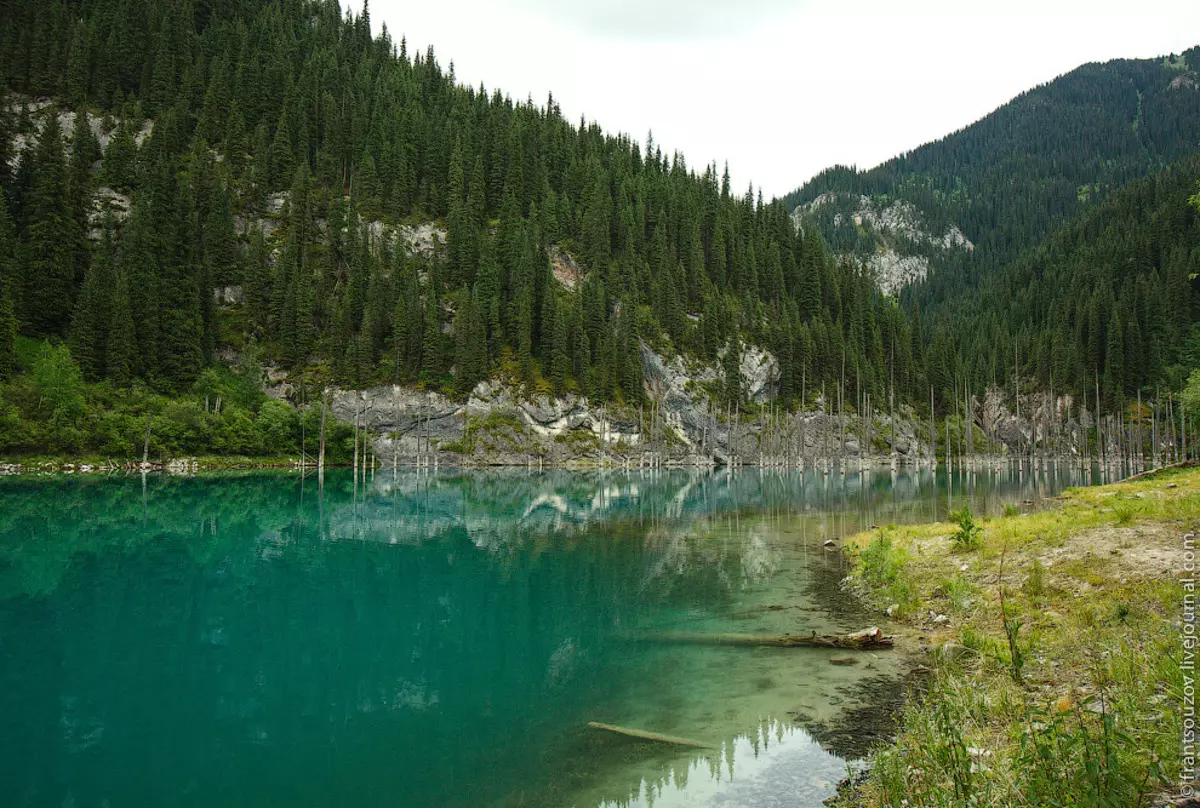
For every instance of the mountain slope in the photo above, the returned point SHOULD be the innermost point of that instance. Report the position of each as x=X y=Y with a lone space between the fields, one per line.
x=1111 y=299
x=1009 y=179
x=290 y=144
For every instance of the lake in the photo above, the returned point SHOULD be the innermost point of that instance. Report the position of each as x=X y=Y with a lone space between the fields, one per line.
x=426 y=639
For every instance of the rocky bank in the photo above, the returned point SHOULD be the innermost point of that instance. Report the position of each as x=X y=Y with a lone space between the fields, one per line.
x=677 y=425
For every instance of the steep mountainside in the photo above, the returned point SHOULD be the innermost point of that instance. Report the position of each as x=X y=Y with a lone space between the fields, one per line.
x=1111 y=299
x=1008 y=180
x=252 y=177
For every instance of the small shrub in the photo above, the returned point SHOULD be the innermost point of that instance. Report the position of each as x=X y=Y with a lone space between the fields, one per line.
x=1011 y=510
x=1078 y=756
x=1124 y=512
x=985 y=645
x=879 y=567
x=881 y=562
x=1121 y=612
x=969 y=531
x=1035 y=583
x=1016 y=657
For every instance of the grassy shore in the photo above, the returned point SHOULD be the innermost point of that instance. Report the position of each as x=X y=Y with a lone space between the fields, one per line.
x=1055 y=644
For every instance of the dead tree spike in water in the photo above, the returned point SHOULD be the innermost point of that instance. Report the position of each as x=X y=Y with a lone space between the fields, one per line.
x=867 y=639
x=643 y=735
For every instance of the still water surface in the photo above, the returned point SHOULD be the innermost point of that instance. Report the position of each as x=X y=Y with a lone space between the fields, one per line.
x=439 y=639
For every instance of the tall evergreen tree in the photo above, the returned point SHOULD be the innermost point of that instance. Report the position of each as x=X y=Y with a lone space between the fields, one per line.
x=48 y=285
x=8 y=318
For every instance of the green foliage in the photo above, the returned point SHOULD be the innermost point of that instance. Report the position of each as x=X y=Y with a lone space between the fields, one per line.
x=1079 y=756
x=58 y=385
x=325 y=141
x=880 y=562
x=959 y=591
x=1124 y=512
x=1012 y=630
x=880 y=568
x=1191 y=394
x=969 y=532
x=1006 y=188
x=1083 y=261
x=1035 y=583
x=53 y=410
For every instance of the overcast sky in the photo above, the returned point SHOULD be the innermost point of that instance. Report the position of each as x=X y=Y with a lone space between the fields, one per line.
x=781 y=88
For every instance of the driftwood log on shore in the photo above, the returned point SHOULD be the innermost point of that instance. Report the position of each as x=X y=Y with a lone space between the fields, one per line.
x=643 y=735
x=867 y=639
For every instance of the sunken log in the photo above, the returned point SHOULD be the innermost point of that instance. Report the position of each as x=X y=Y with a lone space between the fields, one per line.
x=867 y=639
x=643 y=735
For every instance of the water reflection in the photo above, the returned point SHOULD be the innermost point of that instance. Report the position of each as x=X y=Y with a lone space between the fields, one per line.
x=426 y=639
x=774 y=764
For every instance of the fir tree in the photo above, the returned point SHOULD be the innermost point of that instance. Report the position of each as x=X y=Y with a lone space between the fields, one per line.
x=560 y=354
x=119 y=364
x=8 y=319
x=431 y=342
x=49 y=281
x=118 y=166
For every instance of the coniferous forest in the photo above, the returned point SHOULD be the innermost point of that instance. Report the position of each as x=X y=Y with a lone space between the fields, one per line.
x=1075 y=197
x=276 y=147
x=196 y=190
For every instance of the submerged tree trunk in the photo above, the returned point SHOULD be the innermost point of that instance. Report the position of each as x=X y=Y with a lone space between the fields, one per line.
x=643 y=735
x=869 y=638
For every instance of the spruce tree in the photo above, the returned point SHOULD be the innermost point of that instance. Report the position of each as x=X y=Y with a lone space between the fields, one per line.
x=49 y=276
x=181 y=325
x=560 y=356
x=119 y=364
x=89 y=326
x=431 y=342
x=8 y=318
x=1114 y=361
x=118 y=167
x=488 y=289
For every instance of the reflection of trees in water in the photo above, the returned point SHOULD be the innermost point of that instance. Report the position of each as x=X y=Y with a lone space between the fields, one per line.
x=401 y=637
x=228 y=608
x=664 y=777
x=45 y=523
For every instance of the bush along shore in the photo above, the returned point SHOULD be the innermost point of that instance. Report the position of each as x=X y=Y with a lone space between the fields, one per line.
x=1055 y=642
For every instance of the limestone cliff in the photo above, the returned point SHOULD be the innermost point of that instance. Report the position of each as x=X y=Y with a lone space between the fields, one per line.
x=892 y=237
x=676 y=425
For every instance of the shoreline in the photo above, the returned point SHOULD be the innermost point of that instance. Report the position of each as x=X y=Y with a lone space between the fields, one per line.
x=1039 y=631
x=830 y=465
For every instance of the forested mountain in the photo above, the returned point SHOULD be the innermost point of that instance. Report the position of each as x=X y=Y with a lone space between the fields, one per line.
x=1111 y=299
x=1008 y=180
x=1033 y=242
x=285 y=145
x=197 y=189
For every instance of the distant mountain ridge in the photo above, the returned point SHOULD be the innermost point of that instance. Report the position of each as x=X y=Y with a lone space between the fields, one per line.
x=1008 y=180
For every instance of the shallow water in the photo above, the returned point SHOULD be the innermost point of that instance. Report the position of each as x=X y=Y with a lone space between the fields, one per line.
x=439 y=640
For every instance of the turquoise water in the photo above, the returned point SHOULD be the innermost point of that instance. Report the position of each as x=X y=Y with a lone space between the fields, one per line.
x=435 y=640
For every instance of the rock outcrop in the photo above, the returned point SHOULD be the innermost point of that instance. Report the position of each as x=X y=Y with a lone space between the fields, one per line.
x=677 y=424
x=903 y=241
x=103 y=128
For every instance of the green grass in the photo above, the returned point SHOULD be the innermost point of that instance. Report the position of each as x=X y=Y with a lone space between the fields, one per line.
x=1070 y=694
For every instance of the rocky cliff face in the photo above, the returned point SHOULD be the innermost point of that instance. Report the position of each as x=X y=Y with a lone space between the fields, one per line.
x=894 y=239
x=676 y=426
x=1050 y=425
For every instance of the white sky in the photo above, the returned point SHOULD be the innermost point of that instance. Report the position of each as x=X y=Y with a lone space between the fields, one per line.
x=781 y=88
